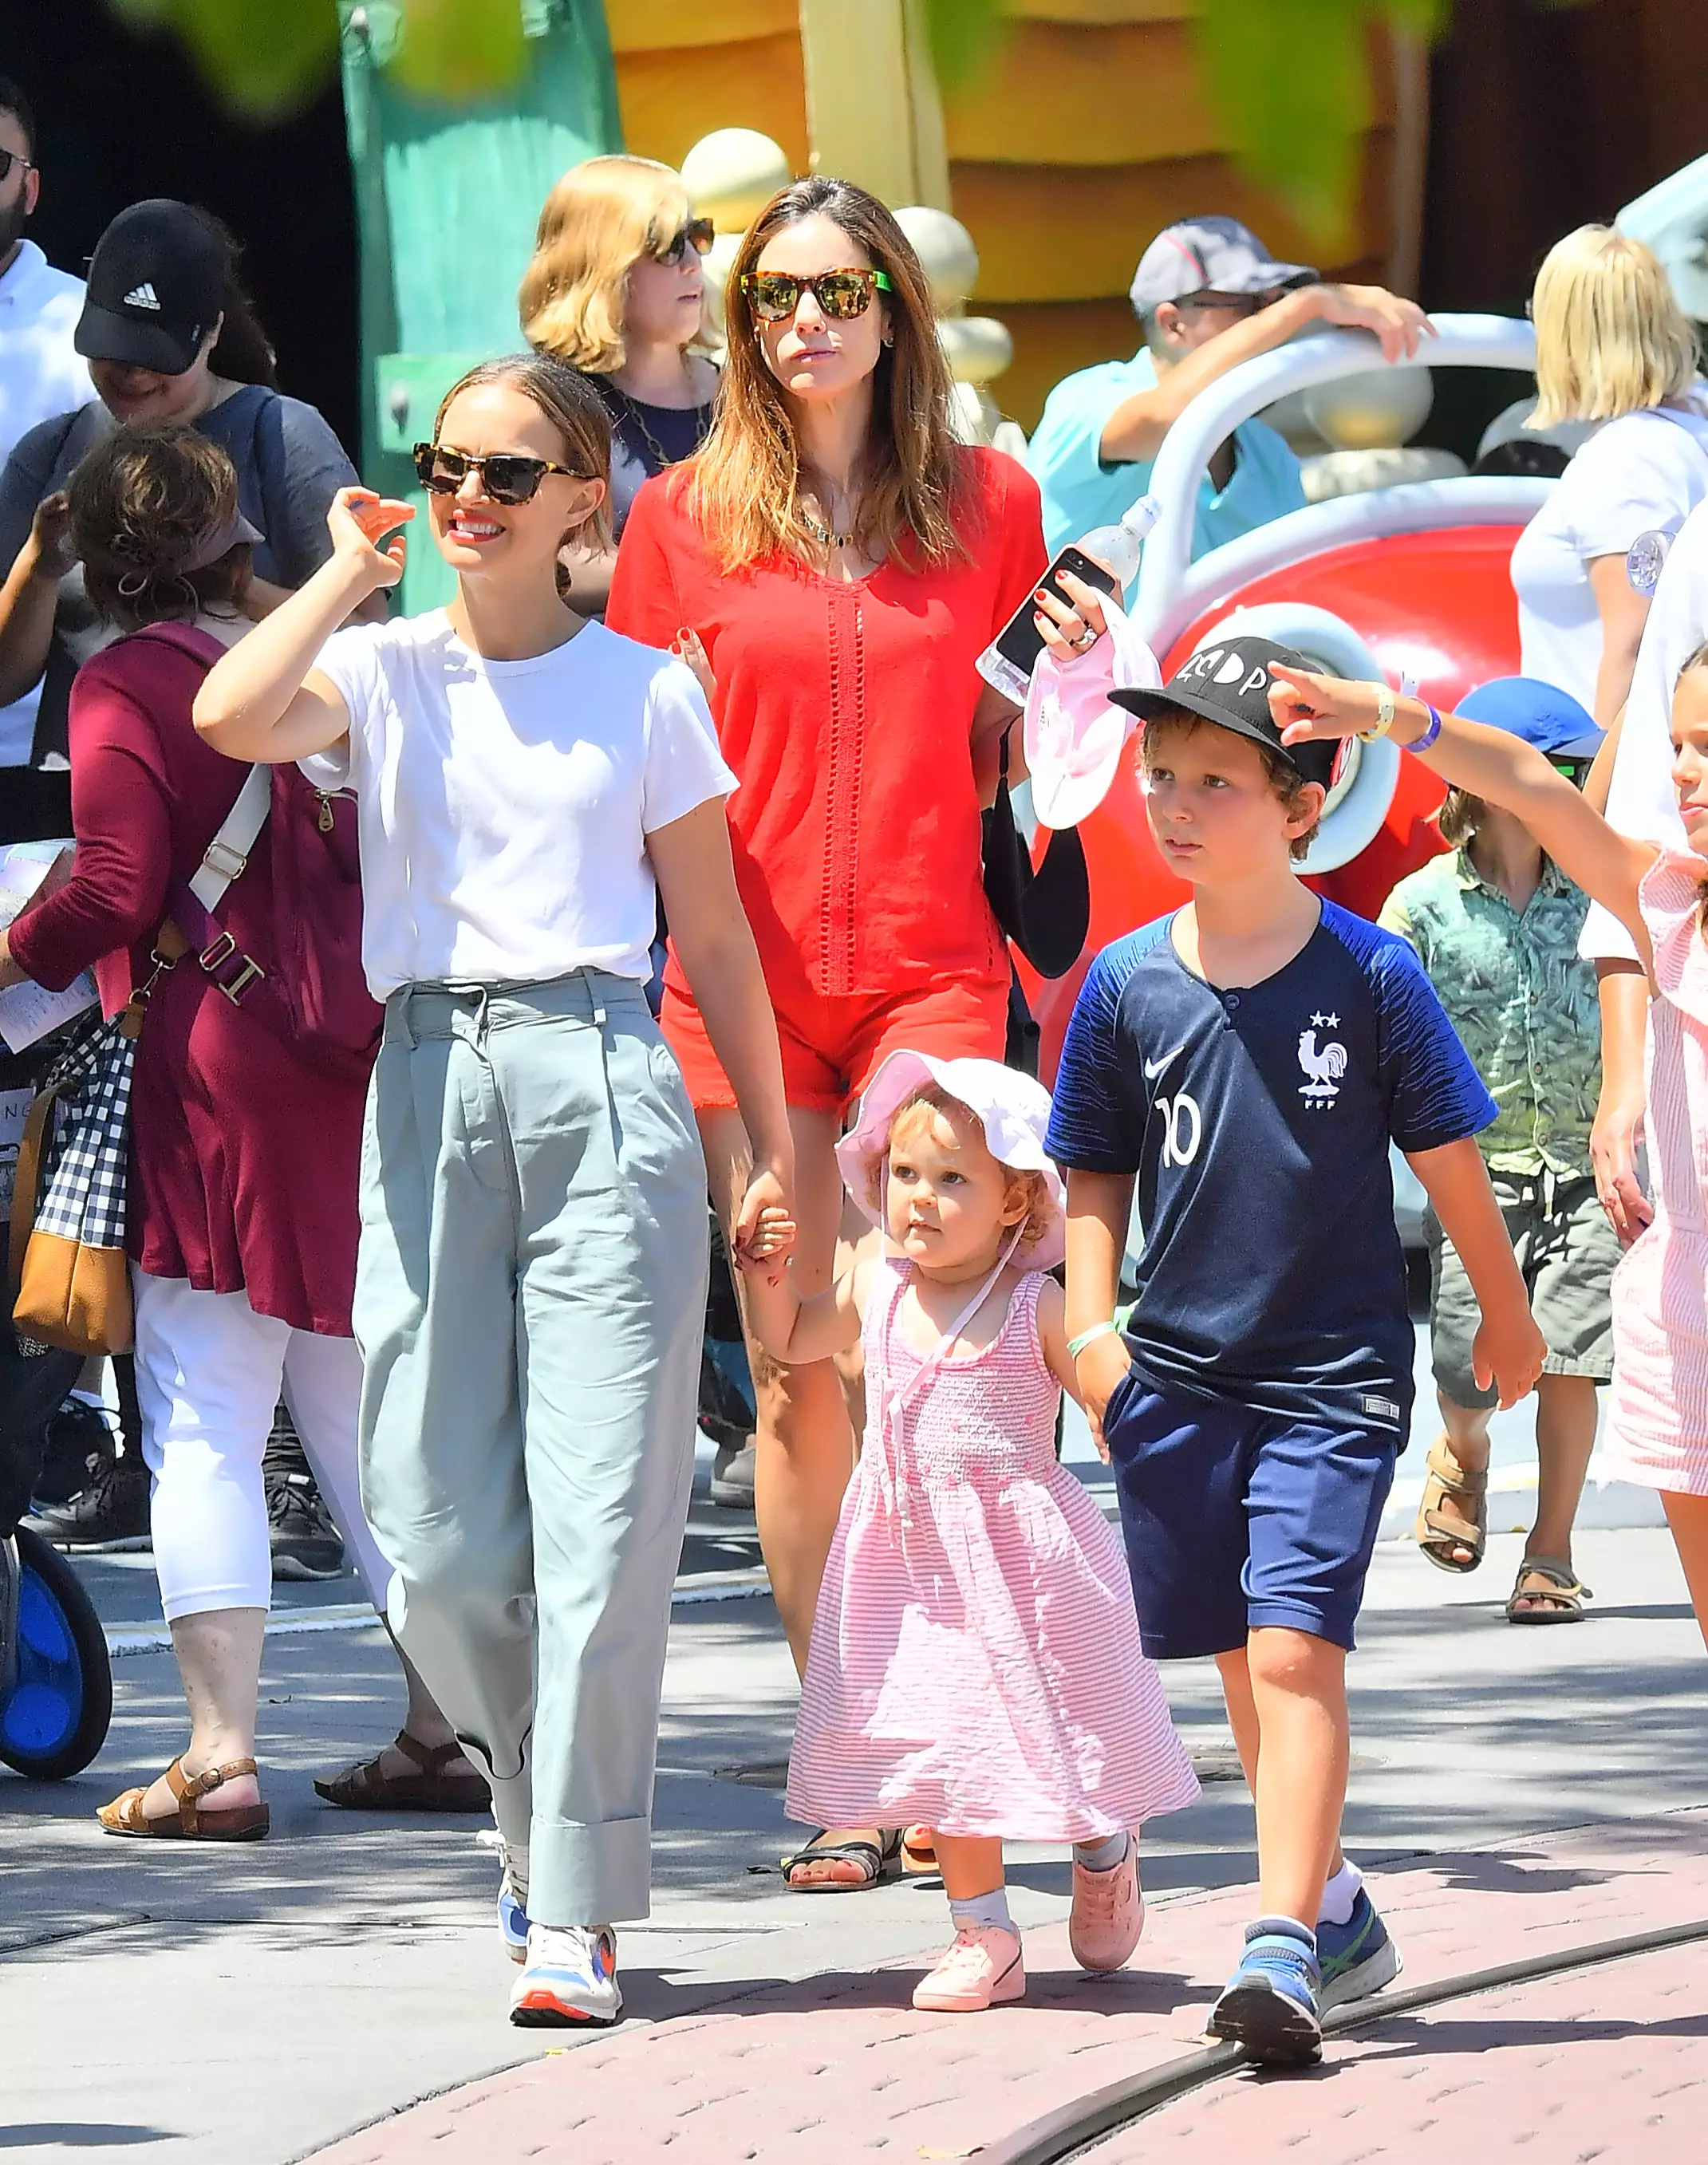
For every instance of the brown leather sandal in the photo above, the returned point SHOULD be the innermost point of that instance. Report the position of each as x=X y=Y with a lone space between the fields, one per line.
x=919 y=1853
x=1464 y=1525
x=366 y=1787
x=124 y=1816
x=1546 y=1591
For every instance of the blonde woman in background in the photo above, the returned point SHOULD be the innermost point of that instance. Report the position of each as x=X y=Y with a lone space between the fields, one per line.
x=1613 y=348
x=615 y=288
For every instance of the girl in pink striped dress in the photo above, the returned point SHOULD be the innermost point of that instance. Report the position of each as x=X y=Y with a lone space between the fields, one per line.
x=1658 y=1413
x=975 y=1661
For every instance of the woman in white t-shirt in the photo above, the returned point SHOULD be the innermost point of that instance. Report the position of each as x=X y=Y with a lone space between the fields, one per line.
x=1612 y=347
x=532 y=1273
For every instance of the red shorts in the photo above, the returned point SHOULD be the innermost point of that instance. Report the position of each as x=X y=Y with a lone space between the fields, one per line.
x=832 y=1048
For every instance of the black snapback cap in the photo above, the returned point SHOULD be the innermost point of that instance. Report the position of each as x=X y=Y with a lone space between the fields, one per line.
x=1227 y=682
x=157 y=281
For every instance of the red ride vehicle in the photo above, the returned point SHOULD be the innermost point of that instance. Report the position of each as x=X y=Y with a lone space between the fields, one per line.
x=1410 y=580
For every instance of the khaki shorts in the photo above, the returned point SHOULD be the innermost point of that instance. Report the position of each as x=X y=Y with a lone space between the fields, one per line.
x=1566 y=1252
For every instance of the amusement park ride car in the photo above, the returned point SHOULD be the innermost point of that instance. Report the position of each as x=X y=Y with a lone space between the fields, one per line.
x=1410 y=580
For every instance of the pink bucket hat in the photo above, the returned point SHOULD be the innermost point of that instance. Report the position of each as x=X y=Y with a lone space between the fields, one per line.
x=1073 y=735
x=1014 y=1110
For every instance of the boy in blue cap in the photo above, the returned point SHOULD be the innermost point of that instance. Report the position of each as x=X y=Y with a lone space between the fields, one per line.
x=1496 y=924
x=1247 y=1061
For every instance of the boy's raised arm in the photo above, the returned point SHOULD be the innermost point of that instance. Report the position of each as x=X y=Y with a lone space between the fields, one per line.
x=1491 y=764
x=1508 y=1349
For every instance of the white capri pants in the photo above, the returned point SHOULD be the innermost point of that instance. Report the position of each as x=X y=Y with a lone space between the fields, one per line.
x=209 y=1372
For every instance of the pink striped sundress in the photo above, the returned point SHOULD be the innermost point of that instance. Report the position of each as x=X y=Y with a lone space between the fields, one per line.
x=1658 y=1408
x=975 y=1661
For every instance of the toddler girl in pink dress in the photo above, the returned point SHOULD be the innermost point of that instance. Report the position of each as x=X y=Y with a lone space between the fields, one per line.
x=975 y=1660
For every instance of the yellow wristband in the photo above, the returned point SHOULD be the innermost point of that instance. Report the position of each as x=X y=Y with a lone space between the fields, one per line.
x=1384 y=715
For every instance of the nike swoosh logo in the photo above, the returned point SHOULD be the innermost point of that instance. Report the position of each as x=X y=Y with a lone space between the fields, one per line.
x=1153 y=1068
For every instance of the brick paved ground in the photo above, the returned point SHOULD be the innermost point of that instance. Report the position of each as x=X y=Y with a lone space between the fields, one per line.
x=839 y=2067
x=1605 y=2064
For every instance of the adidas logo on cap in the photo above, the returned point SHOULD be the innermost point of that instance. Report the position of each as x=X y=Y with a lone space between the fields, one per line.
x=142 y=297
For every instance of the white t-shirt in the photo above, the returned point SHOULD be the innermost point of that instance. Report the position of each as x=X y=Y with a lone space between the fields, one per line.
x=41 y=374
x=504 y=807
x=1642 y=471
x=1642 y=800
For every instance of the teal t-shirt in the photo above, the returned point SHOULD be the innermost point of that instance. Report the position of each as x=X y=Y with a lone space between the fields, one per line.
x=1081 y=493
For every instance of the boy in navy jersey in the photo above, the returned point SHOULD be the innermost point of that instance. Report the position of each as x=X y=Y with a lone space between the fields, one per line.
x=1247 y=1061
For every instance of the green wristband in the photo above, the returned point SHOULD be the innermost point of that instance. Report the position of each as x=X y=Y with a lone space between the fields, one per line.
x=1076 y=1346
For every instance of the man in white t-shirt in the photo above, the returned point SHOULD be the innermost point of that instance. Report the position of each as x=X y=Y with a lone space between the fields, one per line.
x=1642 y=802
x=40 y=372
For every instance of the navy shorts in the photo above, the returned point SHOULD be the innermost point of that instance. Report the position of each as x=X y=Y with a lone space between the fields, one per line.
x=1234 y=1520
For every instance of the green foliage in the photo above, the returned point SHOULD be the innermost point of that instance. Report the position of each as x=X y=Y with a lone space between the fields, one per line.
x=265 y=58
x=963 y=33
x=1290 y=79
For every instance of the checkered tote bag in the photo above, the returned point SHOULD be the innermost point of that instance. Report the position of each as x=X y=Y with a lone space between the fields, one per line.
x=70 y=1276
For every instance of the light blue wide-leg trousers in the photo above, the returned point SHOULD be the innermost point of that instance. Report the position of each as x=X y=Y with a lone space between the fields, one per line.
x=531 y=1293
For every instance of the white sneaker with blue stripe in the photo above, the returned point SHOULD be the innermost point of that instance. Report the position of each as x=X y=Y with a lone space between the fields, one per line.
x=569 y=1976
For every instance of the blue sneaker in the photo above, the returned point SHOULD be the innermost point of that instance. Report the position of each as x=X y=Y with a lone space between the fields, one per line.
x=512 y=1913
x=1269 y=2004
x=569 y=1978
x=1356 y=1958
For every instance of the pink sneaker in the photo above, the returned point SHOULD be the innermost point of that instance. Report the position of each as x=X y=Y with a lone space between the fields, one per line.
x=1108 y=1914
x=982 y=1969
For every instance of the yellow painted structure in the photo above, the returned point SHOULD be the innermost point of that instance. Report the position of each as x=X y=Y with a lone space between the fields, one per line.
x=1087 y=134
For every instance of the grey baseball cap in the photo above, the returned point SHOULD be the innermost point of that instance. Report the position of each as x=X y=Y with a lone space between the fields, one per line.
x=1210 y=256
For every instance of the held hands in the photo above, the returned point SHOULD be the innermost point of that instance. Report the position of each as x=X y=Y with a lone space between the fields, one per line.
x=1398 y=325
x=765 y=1229
x=1099 y=1369
x=358 y=522
x=1508 y=1352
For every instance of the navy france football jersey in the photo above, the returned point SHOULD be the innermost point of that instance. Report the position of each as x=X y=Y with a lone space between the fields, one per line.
x=1257 y=1121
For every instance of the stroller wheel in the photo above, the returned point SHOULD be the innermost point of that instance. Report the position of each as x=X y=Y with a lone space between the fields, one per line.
x=54 y=1719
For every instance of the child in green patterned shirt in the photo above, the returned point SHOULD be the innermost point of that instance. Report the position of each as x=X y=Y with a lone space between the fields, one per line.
x=1496 y=924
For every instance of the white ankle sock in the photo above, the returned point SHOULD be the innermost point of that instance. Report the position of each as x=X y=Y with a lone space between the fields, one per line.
x=990 y=1910
x=1102 y=1855
x=1340 y=1896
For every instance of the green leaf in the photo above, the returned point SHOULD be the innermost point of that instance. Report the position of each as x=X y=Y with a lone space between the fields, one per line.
x=1290 y=78
x=459 y=49
x=261 y=61
x=963 y=35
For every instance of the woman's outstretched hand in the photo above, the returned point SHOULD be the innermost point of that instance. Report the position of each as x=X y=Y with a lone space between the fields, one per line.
x=359 y=521
x=1304 y=704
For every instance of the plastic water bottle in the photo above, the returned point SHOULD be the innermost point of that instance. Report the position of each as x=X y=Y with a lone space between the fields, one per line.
x=1009 y=660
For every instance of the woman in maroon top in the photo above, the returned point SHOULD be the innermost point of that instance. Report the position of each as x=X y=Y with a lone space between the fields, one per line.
x=242 y=1201
x=835 y=562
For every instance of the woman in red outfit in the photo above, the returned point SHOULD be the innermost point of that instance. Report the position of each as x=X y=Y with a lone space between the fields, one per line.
x=841 y=561
x=242 y=1193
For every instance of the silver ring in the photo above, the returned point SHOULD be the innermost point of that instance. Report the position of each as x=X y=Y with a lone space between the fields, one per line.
x=1087 y=637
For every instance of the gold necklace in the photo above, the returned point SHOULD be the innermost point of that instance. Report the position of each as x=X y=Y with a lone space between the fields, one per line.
x=823 y=535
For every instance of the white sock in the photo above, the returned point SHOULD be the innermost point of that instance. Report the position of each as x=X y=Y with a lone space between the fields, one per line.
x=989 y=1910
x=1102 y=1855
x=1340 y=1895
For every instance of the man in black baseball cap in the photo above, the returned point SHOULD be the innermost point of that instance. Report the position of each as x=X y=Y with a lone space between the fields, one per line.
x=1208 y=295
x=155 y=283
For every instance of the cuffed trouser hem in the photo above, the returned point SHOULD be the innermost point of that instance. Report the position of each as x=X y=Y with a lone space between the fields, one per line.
x=589 y=1875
